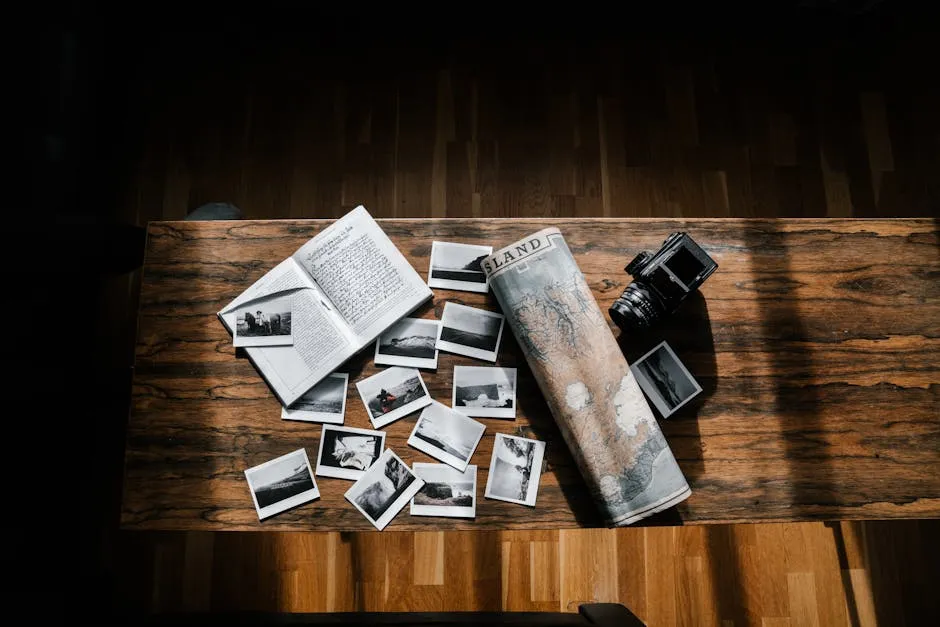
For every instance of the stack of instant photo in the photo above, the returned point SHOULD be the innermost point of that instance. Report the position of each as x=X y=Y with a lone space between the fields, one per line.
x=384 y=484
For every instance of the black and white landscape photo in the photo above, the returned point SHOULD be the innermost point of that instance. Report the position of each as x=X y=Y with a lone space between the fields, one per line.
x=665 y=380
x=446 y=435
x=457 y=266
x=384 y=489
x=393 y=394
x=282 y=483
x=470 y=331
x=484 y=391
x=515 y=469
x=409 y=342
x=447 y=491
x=347 y=452
x=324 y=402
x=265 y=322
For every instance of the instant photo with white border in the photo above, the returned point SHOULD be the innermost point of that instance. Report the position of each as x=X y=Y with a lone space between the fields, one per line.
x=435 y=474
x=461 y=326
x=484 y=379
x=665 y=380
x=449 y=261
x=503 y=464
x=440 y=428
x=310 y=406
x=400 y=333
x=276 y=471
x=354 y=450
x=371 y=482
x=390 y=380
x=271 y=311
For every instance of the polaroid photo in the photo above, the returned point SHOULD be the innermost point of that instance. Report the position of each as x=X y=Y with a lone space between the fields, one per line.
x=324 y=402
x=346 y=452
x=447 y=491
x=446 y=435
x=384 y=489
x=393 y=394
x=457 y=267
x=409 y=342
x=515 y=469
x=470 y=331
x=665 y=380
x=264 y=322
x=282 y=483
x=484 y=391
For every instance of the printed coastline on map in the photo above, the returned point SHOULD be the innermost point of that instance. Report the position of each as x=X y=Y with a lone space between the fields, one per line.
x=593 y=396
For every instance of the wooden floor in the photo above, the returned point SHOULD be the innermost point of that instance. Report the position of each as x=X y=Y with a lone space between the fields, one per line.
x=768 y=574
x=818 y=127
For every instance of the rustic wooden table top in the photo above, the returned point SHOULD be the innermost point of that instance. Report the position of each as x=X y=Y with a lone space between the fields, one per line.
x=817 y=343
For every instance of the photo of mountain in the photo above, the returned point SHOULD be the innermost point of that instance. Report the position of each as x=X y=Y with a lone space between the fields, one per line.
x=457 y=266
x=447 y=491
x=298 y=481
x=282 y=483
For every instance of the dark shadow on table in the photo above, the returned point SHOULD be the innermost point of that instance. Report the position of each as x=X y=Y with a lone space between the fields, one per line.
x=794 y=395
x=689 y=333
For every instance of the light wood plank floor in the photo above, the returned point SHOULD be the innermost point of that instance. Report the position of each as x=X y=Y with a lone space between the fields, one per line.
x=767 y=574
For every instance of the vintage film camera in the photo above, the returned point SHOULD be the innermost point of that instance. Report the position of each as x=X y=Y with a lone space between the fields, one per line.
x=662 y=281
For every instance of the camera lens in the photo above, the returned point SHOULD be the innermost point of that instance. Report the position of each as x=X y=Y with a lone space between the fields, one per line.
x=635 y=309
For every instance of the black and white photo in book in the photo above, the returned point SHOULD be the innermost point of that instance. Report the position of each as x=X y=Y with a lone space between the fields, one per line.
x=324 y=402
x=665 y=380
x=470 y=331
x=393 y=394
x=446 y=435
x=447 y=491
x=515 y=469
x=457 y=266
x=484 y=391
x=282 y=483
x=265 y=322
x=409 y=342
x=384 y=489
x=347 y=452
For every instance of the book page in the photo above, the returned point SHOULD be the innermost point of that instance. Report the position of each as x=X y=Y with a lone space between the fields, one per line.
x=321 y=339
x=319 y=348
x=281 y=278
x=367 y=279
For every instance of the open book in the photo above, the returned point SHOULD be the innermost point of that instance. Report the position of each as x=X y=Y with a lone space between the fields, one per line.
x=348 y=284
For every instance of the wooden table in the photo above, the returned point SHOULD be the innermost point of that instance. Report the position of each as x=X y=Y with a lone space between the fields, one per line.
x=817 y=343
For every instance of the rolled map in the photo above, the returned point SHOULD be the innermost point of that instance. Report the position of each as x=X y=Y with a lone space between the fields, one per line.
x=593 y=396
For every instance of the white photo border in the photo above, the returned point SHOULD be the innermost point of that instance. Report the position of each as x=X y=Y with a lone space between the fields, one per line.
x=381 y=359
x=392 y=510
x=485 y=412
x=649 y=388
x=402 y=411
x=324 y=470
x=536 y=469
x=290 y=502
x=316 y=416
x=438 y=454
x=445 y=511
x=469 y=351
x=450 y=284
x=264 y=340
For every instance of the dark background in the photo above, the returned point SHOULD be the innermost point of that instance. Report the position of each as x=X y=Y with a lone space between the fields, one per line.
x=96 y=91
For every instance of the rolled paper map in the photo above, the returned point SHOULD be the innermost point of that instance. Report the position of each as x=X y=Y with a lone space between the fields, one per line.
x=593 y=396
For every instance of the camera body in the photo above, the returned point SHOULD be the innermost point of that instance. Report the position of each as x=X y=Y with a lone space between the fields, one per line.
x=661 y=282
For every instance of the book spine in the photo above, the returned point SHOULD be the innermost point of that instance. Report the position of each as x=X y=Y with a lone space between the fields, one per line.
x=587 y=383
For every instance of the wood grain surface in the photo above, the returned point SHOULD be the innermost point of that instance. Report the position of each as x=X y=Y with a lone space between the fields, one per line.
x=817 y=343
